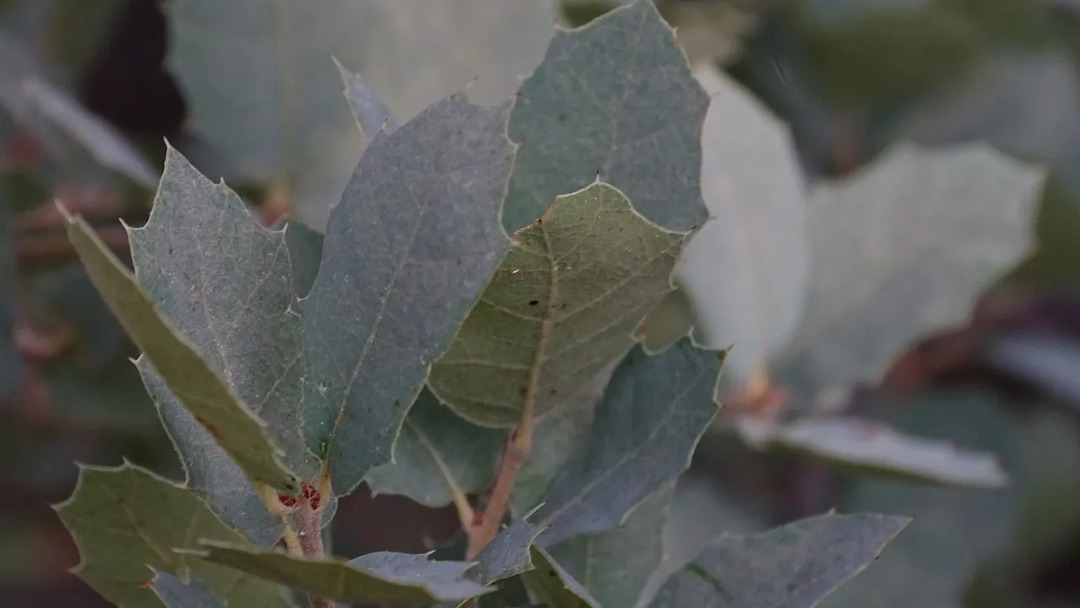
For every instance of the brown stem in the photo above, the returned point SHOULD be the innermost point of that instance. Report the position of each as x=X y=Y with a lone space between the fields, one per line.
x=516 y=453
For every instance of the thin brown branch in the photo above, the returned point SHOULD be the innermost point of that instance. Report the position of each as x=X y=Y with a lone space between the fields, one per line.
x=520 y=445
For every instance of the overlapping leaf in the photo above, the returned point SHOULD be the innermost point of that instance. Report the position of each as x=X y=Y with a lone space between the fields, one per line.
x=367 y=106
x=126 y=520
x=874 y=446
x=902 y=249
x=181 y=366
x=553 y=586
x=562 y=306
x=556 y=438
x=407 y=251
x=653 y=413
x=794 y=566
x=226 y=284
x=438 y=456
x=616 y=99
x=378 y=578
x=745 y=273
x=509 y=554
x=175 y=593
x=285 y=121
x=615 y=566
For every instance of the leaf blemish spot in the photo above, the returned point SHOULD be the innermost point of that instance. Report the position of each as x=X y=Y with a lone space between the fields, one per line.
x=533 y=302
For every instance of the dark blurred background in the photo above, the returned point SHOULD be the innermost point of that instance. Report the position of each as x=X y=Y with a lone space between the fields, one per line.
x=850 y=76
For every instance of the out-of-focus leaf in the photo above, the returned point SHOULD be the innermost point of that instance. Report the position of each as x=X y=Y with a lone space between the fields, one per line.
x=507 y=555
x=225 y=283
x=556 y=439
x=613 y=100
x=794 y=566
x=239 y=432
x=745 y=273
x=562 y=306
x=994 y=103
x=175 y=593
x=615 y=566
x=286 y=120
x=553 y=586
x=110 y=397
x=903 y=249
x=95 y=135
x=368 y=108
x=59 y=121
x=437 y=455
x=1046 y=361
x=407 y=252
x=126 y=520
x=9 y=357
x=652 y=415
x=954 y=529
x=868 y=444
x=379 y=578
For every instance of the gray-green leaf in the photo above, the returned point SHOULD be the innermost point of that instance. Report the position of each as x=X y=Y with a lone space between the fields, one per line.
x=653 y=413
x=615 y=566
x=794 y=566
x=437 y=455
x=125 y=519
x=368 y=108
x=413 y=242
x=225 y=283
x=902 y=249
x=613 y=99
x=507 y=555
x=188 y=376
x=562 y=306
x=379 y=578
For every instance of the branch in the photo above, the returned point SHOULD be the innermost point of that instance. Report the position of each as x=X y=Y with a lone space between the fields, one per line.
x=517 y=452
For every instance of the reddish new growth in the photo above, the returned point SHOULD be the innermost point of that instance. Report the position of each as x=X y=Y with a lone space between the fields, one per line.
x=286 y=500
x=310 y=494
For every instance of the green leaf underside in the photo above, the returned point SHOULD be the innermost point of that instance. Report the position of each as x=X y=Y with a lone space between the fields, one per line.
x=175 y=593
x=384 y=577
x=562 y=306
x=553 y=586
x=614 y=99
x=795 y=566
x=651 y=417
x=437 y=454
x=126 y=520
x=225 y=283
x=615 y=566
x=871 y=445
x=188 y=376
x=745 y=273
x=407 y=251
x=509 y=554
x=903 y=249
x=368 y=109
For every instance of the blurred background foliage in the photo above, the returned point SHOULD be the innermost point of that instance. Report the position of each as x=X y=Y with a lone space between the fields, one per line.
x=850 y=78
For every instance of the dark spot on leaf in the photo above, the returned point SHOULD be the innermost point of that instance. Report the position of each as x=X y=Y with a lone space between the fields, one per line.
x=533 y=302
x=523 y=390
x=562 y=117
x=213 y=430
